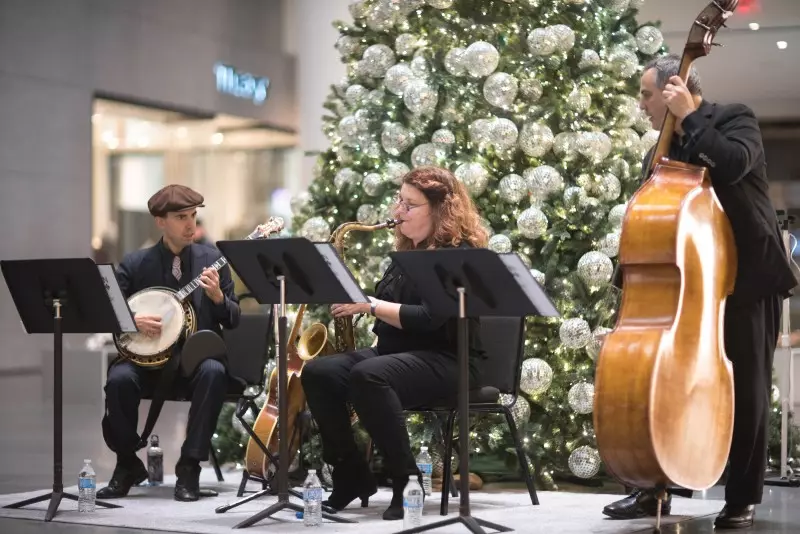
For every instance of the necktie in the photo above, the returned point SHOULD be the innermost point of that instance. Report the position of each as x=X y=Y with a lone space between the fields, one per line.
x=176 y=268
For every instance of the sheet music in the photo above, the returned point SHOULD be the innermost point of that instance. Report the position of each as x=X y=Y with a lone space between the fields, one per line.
x=528 y=284
x=341 y=272
x=118 y=302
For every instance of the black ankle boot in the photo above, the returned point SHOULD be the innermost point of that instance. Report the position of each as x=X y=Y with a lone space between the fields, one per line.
x=352 y=480
x=395 y=510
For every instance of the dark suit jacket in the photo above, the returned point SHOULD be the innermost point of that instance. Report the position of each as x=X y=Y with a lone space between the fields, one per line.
x=144 y=268
x=726 y=139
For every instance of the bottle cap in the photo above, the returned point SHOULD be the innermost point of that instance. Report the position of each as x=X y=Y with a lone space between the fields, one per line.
x=312 y=471
x=87 y=461
x=412 y=477
x=423 y=448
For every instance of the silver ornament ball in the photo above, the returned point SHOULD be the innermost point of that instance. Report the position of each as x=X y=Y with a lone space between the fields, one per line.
x=500 y=243
x=532 y=223
x=575 y=333
x=595 y=268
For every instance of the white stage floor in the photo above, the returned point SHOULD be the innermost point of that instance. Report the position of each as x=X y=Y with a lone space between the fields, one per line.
x=154 y=509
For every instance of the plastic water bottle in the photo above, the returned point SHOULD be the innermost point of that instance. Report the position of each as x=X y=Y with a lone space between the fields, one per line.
x=425 y=466
x=155 y=462
x=312 y=500
x=87 y=481
x=412 y=503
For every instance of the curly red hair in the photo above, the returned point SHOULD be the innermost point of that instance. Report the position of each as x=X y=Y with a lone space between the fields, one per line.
x=455 y=217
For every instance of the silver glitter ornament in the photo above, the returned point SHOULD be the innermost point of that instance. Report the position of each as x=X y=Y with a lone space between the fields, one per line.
x=500 y=89
x=589 y=60
x=405 y=44
x=474 y=176
x=382 y=16
x=581 y=398
x=596 y=343
x=584 y=462
x=608 y=187
x=521 y=411
x=609 y=244
x=513 y=188
x=427 y=154
x=367 y=214
x=500 y=243
x=372 y=184
x=624 y=62
x=574 y=196
x=420 y=68
x=616 y=215
x=532 y=223
x=503 y=134
x=454 y=61
x=377 y=59
x=316 y=229
x=531 y=89
x=649 y=39
x=579 y=100
x=443 y=137
x=348 y=46
x=348 y=130
x=358 y=8
x=420 y=98
x=595 y=268
x=542 y=41
x=649 y=140
x=397 y=78
x=395 y=171
x=362 y=120
x=535 y=139
x=481 y=59
x=396 y=138
x=565 y=37
x=618 y=6
x=480 y=131
x=300 y=201
x=565 y=145
x=536 y=376
x=345 y=177
x=356 y=94
x=574 y=333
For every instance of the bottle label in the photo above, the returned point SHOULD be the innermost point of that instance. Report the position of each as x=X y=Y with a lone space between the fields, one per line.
x=312 y=494
x=426 y=469
x=416 y=502
x=86 y=483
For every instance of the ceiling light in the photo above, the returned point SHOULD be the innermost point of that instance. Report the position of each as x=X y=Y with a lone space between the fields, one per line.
x=754 y=26
x=782 y=45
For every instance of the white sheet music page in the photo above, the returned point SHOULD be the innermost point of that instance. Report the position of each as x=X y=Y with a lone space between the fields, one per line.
x=341 y=272
x=528 y=284
x=118 y=302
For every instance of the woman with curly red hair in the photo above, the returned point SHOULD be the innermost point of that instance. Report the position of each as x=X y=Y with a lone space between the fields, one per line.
x=414 y=362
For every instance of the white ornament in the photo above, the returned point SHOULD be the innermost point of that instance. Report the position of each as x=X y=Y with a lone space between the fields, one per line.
x=595 y=268
x=575 y=333
x=609 y=244
x=500 y=89
x=584 y=462
x=397 y=78
x=581 y=398
x=532 y=223
x=500 y=243
x=481 y=59
x=536 y=376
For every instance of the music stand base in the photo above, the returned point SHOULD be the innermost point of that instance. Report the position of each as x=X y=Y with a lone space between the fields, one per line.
x=259 y=494
x=473 y=524
x=55 y=500
x=286 y=505
x=784 y=482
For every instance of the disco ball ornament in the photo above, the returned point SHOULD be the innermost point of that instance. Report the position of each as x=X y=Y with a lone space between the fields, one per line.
x=316 y=229
x=596 y=343
x=513 y=188
x=500 y=243
x=500 y=89
x=395 y=171
x=397 y=78
x=377 y=60
x=595 y=268
x=373 y=183
x=536 y=376
x=532 y=223
x=542 y=41
x=396 y=138
x=454 y=61
x=443 y=137
x=649 y=39
x=581 y=398
x=427 y=154
x=543 y=180
x=481 y=59
x=589 y=60
x=609 y=244
x=419 y=97
x=300 y=201
x=575 y=333
x=405 y=44
x=367 y=214
x=616 y=215
x=474 y=176
x=584 y=462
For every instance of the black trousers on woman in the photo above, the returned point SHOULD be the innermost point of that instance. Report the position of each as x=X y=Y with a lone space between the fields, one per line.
x=379 y=387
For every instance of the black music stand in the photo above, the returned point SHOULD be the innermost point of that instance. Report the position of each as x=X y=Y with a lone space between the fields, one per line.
x=57 y=296
x=497 y=285
x=290 y=271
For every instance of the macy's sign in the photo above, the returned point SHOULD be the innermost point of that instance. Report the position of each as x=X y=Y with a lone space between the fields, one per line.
x=241 y=84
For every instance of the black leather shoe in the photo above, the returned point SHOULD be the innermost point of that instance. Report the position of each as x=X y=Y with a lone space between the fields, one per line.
x=125 y=476
x=351 y=480
x=187 y=487
x=638 y=504
x=733 y=516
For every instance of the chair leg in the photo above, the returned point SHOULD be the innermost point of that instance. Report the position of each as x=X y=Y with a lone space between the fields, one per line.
x=523 y=461
x=447 y=476
x=215 y=463
x=440 y=434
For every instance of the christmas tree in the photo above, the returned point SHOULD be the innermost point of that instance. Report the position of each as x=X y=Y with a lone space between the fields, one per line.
x=532 y=104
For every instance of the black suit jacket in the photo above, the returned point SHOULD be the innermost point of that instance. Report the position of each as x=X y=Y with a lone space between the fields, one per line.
x=726 y=139
x=143 y=269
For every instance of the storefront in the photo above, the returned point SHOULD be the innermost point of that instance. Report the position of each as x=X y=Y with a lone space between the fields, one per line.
x=103 y=103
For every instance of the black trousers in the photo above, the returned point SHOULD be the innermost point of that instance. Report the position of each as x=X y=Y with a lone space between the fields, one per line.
x=127 y=383
x=751 y=335
x=379 y=387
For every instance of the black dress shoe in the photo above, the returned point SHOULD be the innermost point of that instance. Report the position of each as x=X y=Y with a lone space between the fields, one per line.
x=352 y=480
x=125 y=476
x=187 y=487
x=638 y=504
x=733 y=516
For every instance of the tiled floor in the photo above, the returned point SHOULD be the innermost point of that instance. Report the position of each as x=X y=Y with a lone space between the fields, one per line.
x=26 y=459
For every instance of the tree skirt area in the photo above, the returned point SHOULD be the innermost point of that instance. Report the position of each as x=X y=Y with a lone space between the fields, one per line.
x=153 y=508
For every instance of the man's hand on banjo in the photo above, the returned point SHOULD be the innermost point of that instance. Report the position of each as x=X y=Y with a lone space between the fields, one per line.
x=209 y=280
x=149 y=325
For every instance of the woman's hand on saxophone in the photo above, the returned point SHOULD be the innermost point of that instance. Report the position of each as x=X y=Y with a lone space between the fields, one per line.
x=346 y=310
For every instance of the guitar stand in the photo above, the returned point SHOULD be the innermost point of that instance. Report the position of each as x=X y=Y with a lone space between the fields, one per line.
x=266 y=484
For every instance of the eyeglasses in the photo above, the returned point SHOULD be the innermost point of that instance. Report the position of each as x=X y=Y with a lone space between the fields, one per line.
x=405 y=205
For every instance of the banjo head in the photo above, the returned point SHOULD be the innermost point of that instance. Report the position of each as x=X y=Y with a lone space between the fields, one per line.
x=160 y=302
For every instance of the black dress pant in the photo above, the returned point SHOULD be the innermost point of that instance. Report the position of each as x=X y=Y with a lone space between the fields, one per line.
x=379 y=387
x=127 y=383
x=751 y=335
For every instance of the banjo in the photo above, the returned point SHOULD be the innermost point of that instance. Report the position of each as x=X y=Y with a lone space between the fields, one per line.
x=178 y=316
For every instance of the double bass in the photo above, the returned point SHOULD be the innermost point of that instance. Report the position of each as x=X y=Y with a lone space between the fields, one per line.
x=664 y=398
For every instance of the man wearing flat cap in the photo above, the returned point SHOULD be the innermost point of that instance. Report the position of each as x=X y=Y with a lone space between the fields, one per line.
x=173 y=262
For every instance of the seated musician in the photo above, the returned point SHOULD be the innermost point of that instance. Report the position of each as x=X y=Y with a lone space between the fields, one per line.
x=414 y=362
x=172 y=262
x=726 y=140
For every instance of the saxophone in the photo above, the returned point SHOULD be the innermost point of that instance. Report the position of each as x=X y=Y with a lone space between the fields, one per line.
x=314 y=340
